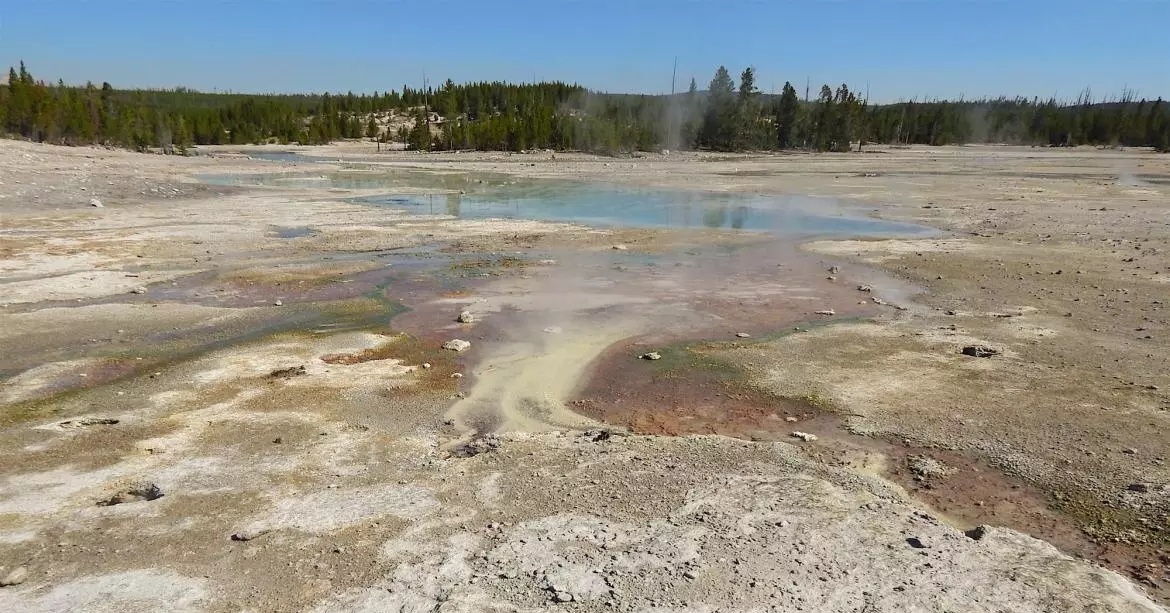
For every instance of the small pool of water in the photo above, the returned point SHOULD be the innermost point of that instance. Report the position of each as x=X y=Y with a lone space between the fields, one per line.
x=293 y=232
x=484 y=195
x=286 y=157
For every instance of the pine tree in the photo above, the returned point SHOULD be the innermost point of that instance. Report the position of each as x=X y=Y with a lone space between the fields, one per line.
x=747 y=112
x=786 y=112
x=719 y=122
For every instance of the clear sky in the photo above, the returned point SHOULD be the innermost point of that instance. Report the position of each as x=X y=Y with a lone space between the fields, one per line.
x=902 y=49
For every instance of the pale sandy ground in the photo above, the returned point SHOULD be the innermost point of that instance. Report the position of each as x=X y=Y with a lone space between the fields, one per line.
x=344 y=475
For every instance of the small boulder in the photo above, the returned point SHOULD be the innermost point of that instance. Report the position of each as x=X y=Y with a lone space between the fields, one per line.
x=456 y=345
x=977 y=533
x=804 y=436
x=465 y=317
x=94 y=202
x=742 y=335
x=244 y=536
x=980 y=351
x=864 y=288
x=925 y=467
x=138 y=290
x=17 y=576
x=651 y=355
x=135 y=493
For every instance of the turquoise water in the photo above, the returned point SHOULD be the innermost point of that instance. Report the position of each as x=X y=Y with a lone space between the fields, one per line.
x=614 y=206
x=496 y=196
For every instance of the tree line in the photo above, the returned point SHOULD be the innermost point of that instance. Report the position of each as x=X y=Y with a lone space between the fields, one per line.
x=725 y=116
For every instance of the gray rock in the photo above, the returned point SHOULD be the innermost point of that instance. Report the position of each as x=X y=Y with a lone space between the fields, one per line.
x=804 y=436
x=980 y=351
x=456 y=345
x=652 y=355
x=742 y=335
x=247 y=535
x=925 y=467
x=94 y=202
x=17 y=576
x=138 y=290
x=465 y=317
x=137 y=492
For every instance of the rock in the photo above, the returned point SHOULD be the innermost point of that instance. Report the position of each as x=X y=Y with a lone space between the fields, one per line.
x=247 y=535
x=465 y=317
x=690 y=574
x=833 y=270
x=135 y=493
x=977 y=533
x=804 y=436
x=483 y=444
x=94 y=202
x=864 y=288
x=620 y=247
x=88 y=421
x=925 y=467
x=426 y=365
x=980 y=351
x=916 y=542
x=138 y=290
x=288 y=373
x=652 y=355
x=826 y=312
x=562 y=597
x=742 y=335
x=597 y=435
x=552 y=330
x=456 y=345
x=16 y=577
x=791 y=420
x=1140 y=488
x=457 y=375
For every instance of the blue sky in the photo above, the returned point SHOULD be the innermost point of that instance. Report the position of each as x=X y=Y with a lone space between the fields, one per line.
x=903 y=49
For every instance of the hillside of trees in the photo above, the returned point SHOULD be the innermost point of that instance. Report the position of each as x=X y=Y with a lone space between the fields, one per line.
x=725 y=116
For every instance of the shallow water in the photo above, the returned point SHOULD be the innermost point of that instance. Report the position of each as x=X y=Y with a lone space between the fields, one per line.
x=293 y=232
x=495 y=196
x=606 y=205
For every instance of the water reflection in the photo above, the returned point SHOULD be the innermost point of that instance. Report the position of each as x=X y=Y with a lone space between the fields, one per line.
x=482 y=196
